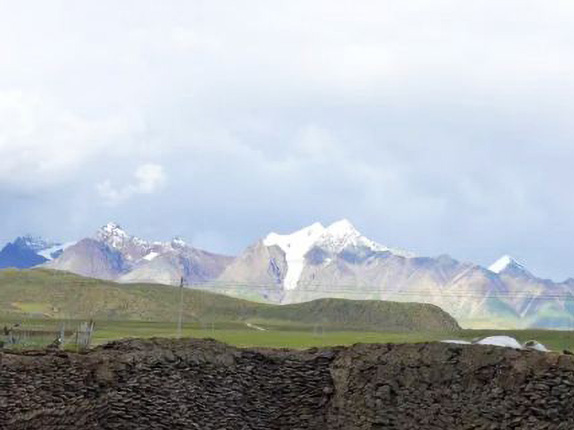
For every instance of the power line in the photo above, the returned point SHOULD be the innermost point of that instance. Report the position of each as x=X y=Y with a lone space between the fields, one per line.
x=180 y=317
x=358 y=289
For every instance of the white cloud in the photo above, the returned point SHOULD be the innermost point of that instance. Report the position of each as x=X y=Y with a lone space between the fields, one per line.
x=149 y=178
x=43 y=144
x=432 y=121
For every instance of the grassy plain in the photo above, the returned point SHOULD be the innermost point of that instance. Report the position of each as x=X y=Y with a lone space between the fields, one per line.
x=289 y=336
x=44 y=300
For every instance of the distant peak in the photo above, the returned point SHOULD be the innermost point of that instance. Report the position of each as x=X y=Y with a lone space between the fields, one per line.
x=35 y=243
x=504 y=263
x=28 y=238
x=111 y=229
x=113 y=235
x=311 y=231
x=343 y=226
x=111 y=226
x=336 y=237
x=178 y=242
x=342 y=234
x=315 y=226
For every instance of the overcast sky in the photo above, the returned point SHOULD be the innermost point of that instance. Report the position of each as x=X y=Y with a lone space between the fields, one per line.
x=436 y=126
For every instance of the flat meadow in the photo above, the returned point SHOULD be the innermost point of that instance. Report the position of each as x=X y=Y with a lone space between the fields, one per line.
x=285 y=336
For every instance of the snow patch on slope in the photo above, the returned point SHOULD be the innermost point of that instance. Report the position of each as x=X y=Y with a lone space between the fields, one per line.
x=151 y=256
x=34 y=243
x=342 y=234
x=503 y=263
x=56 y=249
x=295 y=246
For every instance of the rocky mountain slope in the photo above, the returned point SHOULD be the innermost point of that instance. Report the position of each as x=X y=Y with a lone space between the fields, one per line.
x=113 y=254
x=338 y=261
x=28 y=251
x=334 y=261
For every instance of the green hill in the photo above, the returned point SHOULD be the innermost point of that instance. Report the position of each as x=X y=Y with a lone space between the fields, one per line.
x=43 y=293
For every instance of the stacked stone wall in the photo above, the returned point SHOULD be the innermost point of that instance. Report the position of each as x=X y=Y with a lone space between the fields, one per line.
x=202 y=384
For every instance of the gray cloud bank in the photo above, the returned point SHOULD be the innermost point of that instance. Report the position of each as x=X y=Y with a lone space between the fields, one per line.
x=437 y=126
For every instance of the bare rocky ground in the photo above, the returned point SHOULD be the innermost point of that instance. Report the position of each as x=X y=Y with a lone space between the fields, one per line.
x=202 y=384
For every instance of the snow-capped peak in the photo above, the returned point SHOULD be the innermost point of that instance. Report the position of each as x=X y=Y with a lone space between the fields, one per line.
x=178 y=242
x=334 y=238
x=342 y=234
x=303 y=238
x=112 y=229
x=342 y=227
x=504 y=263
x=34 y=243
x=135 y=249
x=117 y=238
x=45 y=248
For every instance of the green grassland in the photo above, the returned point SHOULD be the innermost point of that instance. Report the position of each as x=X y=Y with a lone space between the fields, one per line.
x=287 y=336
x=41 y=293
x=290 y=337
x=44 y=300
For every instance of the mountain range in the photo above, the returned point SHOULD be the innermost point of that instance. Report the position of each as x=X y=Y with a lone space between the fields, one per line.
x=334 y=261
x=112 y=254
x=28 y=251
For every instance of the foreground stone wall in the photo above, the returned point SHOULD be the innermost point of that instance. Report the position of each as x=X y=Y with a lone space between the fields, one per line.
x=166 y=384
x=440 y=386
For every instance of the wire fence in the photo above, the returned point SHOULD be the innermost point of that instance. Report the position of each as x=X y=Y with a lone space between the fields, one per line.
x=27 y=335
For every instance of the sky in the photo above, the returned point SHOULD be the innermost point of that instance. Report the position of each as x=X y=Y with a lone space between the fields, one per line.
x=435 y=126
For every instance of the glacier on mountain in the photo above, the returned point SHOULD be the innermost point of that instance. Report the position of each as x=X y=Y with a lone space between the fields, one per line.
x=295 y=246
x=335 y=238
x=503 y=263
x=55 y=250
x=315 y=262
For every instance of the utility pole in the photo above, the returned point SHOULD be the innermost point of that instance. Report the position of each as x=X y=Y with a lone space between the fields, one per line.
x=180 y=317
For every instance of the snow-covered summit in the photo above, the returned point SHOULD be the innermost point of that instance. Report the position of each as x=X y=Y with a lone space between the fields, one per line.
x=33 y=243
x=28 y=251
x=339 y=235
x=135 y=249
x=116 y=237
x=301 y=239
x=112 y=233
x=177 y=242
x=504 y=263
x=334 y=238
x=112 y=227
x=342 y=234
